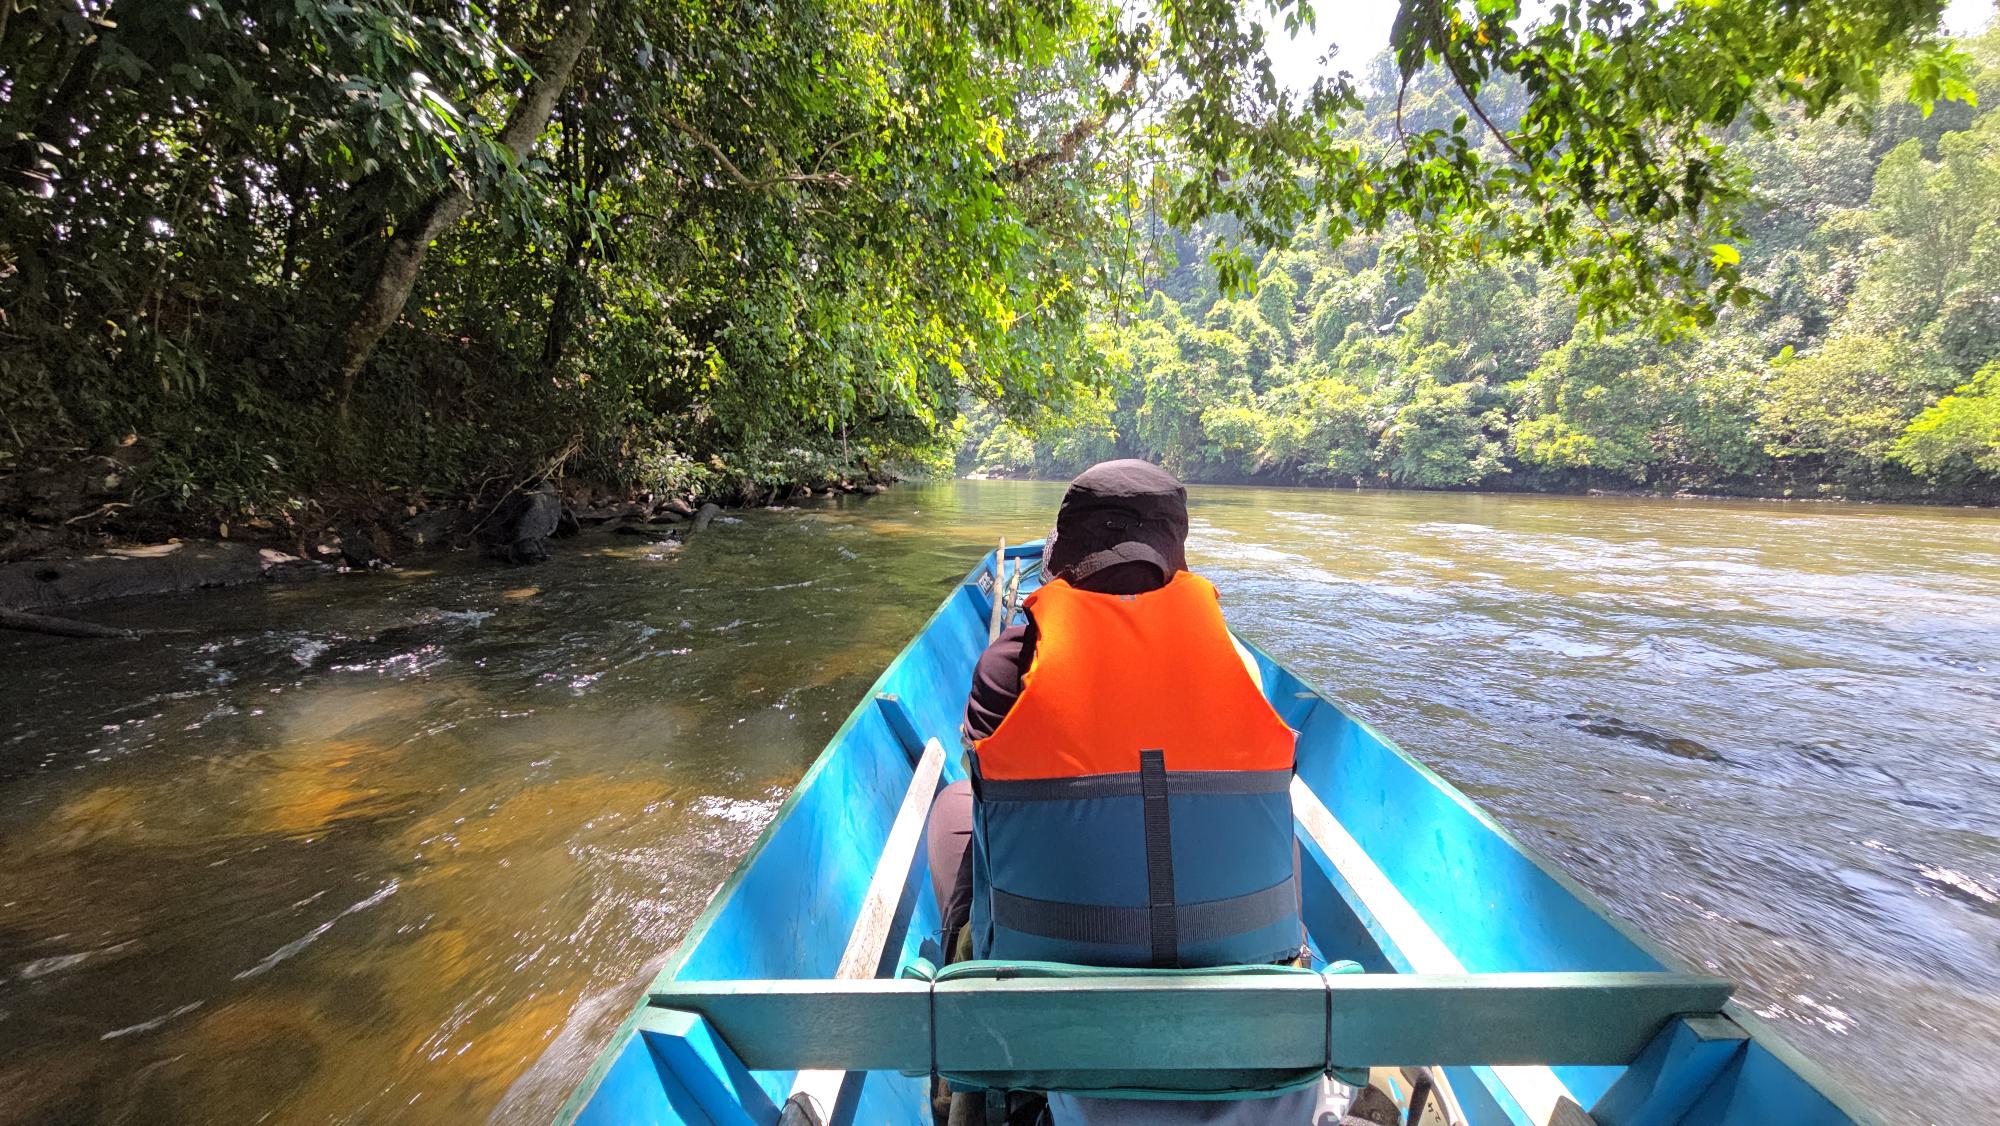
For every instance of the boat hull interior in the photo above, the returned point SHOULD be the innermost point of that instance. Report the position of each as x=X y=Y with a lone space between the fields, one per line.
x=1400 y=872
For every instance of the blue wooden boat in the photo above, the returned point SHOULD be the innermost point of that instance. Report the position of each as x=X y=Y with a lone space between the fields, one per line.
x=803 y=984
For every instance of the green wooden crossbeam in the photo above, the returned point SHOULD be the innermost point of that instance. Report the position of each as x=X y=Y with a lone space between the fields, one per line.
x=1114 y=1024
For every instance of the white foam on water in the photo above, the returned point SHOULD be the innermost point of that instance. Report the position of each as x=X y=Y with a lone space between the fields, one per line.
x=149 y=1025
x=313 y=935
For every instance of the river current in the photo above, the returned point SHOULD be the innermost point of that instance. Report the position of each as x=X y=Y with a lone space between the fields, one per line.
x=402 y=847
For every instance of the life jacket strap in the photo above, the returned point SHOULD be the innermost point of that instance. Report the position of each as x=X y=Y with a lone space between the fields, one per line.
x=1194 y=923
x=1159 y=858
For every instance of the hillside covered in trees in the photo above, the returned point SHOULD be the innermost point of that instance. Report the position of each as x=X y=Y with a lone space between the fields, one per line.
x=1868 y=363
x=262 y=261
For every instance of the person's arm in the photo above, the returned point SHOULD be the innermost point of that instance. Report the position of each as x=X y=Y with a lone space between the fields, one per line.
x=996 y=682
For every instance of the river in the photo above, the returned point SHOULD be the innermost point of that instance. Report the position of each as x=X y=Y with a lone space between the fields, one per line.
x=402 y=847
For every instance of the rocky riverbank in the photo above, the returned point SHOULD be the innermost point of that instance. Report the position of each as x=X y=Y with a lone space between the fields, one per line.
x=72 y=535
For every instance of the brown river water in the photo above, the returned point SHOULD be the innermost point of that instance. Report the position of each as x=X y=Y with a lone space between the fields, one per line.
x=402 y=847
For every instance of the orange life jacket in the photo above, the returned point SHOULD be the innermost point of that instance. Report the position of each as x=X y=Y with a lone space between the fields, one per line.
x=1134 y=804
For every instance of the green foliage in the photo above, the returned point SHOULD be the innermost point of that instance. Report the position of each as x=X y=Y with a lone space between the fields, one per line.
x=1586 y=137
x=1318 y=428
x=1277 y=293
x=750 y=243
x=1879 y=253
x=1585 y=408
x=1959 y=435
x=1081 y=432
x=1843 y=404
x=1443 y=437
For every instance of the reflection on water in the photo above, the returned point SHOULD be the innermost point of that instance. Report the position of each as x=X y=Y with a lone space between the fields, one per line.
x=402 y=847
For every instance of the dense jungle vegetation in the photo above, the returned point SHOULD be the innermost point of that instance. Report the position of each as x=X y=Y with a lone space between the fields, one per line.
x=1869 y=365
x=263 y=259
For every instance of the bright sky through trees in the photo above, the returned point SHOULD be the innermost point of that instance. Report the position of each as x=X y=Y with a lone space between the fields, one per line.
x=1360 y=28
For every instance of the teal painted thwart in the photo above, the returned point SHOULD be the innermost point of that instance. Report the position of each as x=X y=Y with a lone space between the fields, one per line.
x=990 y=1020
x=775 y=933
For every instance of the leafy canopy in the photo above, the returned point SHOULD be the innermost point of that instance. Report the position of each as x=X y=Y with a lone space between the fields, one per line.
x=1868 y=371
x=1589 y=133
x=729 y=241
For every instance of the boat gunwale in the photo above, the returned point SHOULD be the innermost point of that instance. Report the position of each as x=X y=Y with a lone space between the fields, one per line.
x=1761 y=1032
x=704 y=922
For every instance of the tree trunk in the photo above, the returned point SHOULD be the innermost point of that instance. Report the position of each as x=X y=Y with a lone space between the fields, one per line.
x=574 y=164
x=388 y=288
x=57 y=118
x=562 y=309
x=294 y=186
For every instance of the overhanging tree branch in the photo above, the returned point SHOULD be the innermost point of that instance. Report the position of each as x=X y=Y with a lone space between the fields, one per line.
x=735 y=174
x=388 y=287
x=1067 y=146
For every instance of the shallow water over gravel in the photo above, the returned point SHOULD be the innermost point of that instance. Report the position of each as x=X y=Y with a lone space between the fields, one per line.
x=402 y=847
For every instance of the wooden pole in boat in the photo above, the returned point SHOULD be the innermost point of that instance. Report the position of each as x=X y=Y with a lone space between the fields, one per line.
x=815 y=1092
x=994 y=622
x=1013 y=593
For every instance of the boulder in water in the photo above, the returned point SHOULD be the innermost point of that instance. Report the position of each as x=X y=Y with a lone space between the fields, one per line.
x=521 y=526
x=127 y=572
x=360 y=548
x=1617 y=727
x=534 y=522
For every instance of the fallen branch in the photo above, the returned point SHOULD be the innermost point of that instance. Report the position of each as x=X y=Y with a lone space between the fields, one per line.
x=60 y=627
x=100 y=510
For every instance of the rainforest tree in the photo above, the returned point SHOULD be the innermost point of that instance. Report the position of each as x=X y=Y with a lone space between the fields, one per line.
x=286 y=248
x=1863 y=367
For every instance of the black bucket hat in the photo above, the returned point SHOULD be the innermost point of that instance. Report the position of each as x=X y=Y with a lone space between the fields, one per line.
x=1119 y=512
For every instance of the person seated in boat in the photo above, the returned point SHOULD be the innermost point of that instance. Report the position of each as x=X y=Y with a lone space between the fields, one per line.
x=1129 y=803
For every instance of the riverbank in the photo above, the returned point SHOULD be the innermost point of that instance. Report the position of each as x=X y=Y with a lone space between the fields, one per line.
x=152 y=553
x=1824 y=493
x=109 y=549
x=354 y=478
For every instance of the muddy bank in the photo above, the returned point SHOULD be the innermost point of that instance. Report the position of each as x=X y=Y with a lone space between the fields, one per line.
x=518 y=530
x=79 y=534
